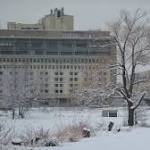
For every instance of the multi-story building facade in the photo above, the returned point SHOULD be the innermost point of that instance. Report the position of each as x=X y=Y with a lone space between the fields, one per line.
x=51 y=65
x=57 y=20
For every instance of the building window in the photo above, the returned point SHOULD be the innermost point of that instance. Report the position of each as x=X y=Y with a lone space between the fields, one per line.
x=38 y=60
x=61 y=79
x=56 y=73
x=49 y=60
x=70 y=90
x=56 y=85
x=104 y=73
x=34 y=60
x=45 y=59
x=34 y=67
x=97 y=60
x=109 y=113
x=61 y=91
x=56 y=91
x=46 y=91
x=56 y=60
x=75 y=79
x=1 y=72
x=31 y=73
x=61 y=73
x=41 y=59
x=46 y=85
x=32 y=91
x=61 y=85
x=76 y=73
x=67 y=66
x=71 y=85
x=56 y=79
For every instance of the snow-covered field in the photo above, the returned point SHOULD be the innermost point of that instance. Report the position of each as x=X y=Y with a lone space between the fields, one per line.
x=56 y=118
x=135 y=139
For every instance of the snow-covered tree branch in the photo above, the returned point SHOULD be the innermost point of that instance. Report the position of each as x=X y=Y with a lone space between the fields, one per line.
x=131 y=36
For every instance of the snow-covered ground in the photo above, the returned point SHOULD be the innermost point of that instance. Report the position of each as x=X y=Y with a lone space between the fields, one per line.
x=55 y=118
x=135 y=139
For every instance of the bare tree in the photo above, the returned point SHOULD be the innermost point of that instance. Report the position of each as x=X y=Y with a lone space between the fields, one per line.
x=16 y=90
x=19 y=88
x=95 y=95
x=94 y=92
x=130 y=33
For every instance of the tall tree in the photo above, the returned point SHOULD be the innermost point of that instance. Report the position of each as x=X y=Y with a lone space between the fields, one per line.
x=131 y=36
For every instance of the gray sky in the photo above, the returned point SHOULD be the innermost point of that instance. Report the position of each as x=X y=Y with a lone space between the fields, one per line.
x=89 y=14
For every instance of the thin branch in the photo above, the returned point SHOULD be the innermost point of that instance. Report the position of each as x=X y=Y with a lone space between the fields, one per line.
x=140 y=81
x=139 y=102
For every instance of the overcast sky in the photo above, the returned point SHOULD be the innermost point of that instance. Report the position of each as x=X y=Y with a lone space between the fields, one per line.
x=89 y=14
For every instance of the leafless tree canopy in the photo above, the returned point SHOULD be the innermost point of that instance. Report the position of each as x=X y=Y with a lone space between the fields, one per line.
x=131 y=35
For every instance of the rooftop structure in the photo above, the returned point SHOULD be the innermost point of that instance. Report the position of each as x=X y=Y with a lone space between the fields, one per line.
x=56 y=20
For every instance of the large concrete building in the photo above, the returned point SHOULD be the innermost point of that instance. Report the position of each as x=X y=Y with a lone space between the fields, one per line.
x=48 y=61
x=57 y=20
x=51 y=65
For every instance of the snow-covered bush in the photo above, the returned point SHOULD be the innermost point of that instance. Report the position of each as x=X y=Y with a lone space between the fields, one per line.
x=142 y=117
x=71 y=133
x=5 y=134
x=35 y=136
x=95 y=95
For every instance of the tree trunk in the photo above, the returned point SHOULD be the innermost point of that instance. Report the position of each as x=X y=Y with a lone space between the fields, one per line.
x=130 y=117
x=13 y=113
x=21 y=112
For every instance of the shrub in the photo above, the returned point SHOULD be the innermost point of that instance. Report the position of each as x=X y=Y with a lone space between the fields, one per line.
x=5 y=134
x=71 y=133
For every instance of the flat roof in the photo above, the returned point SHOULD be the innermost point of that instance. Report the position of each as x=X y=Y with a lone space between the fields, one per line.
x=54 y=34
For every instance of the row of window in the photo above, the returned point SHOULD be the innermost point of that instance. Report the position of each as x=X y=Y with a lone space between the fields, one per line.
x=53 y=60
x=51 y=67
x=61 y=79
x=71 y=73
x=47 y=85
x=41 y=73
x=45 y=91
